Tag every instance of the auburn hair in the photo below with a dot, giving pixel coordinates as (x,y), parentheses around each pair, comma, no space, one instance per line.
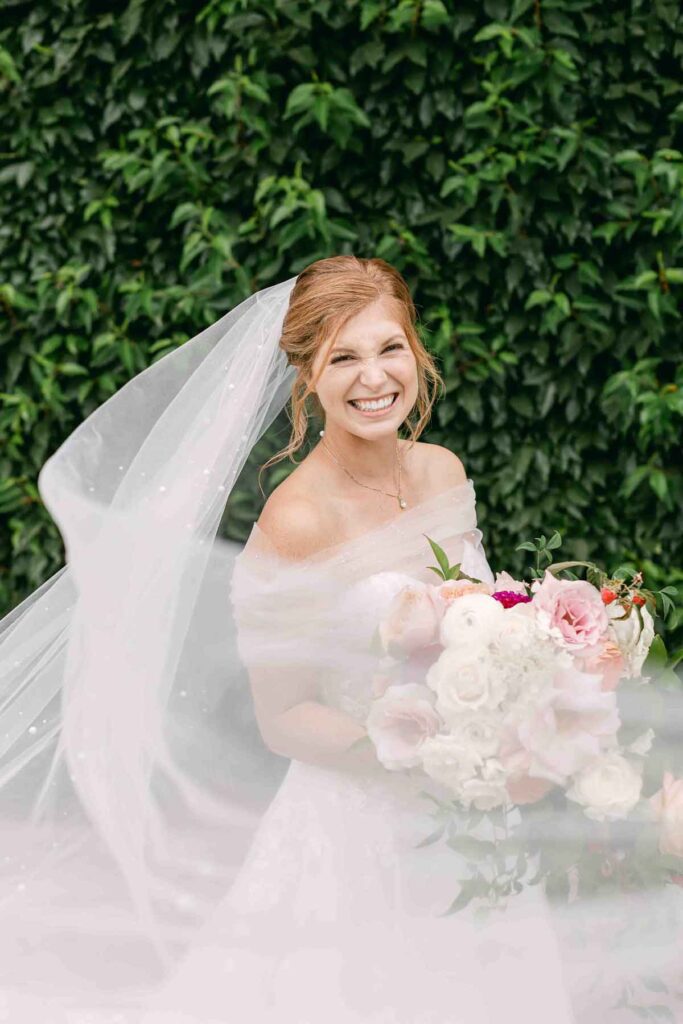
(325,295)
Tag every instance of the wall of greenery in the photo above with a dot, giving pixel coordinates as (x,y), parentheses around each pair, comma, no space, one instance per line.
(515,159)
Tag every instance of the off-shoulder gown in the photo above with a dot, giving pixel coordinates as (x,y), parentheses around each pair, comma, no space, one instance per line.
(336,915)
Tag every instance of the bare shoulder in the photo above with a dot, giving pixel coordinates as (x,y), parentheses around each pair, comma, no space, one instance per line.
(295,524)
(442,467)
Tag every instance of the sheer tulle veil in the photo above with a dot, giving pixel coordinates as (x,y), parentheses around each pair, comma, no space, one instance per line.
(115,766)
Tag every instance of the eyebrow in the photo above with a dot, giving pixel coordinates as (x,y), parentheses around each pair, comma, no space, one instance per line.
(394,337)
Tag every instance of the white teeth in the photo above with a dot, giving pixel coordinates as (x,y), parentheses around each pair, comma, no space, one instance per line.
(373,406)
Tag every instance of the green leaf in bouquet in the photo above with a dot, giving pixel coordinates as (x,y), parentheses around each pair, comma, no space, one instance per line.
(654,983)
(657,657)
(526,546)
(470,847)
(595,577)
(446,571)
(559,566)
(554,542)
(665,596)
(441,557)
(557,886)
(469,890)
(433,837)
(434,799)
(676,657)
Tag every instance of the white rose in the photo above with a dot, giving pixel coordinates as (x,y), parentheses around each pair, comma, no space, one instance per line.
(445,761)
(478,733)
(488,789)
(464,681)
(633,642)
(608,788)
(471,619)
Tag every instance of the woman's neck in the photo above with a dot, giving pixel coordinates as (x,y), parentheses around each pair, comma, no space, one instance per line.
(373,462)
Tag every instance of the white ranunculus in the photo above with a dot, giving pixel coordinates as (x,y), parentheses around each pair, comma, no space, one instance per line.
(465,680)
(608,788)
(519,626)
(633,642)
(473,619)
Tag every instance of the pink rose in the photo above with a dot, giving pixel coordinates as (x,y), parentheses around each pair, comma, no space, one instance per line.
(522,787)
(571,611)
(667,805)
(411,622)
(399,722)
(555,741)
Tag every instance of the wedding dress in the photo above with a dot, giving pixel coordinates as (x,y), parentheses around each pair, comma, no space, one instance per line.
(336,915)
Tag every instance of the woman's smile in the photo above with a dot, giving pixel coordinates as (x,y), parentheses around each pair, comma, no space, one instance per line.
(373,408)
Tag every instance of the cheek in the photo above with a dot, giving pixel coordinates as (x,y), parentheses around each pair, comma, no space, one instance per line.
(330,392)
(409,375)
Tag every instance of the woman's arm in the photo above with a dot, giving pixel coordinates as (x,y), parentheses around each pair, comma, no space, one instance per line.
(293,723)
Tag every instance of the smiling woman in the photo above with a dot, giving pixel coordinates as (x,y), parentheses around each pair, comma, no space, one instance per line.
(369,368)
(350,331)
(367,375)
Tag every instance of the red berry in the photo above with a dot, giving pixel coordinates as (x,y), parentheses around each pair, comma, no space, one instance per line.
(638,599)
(607,595)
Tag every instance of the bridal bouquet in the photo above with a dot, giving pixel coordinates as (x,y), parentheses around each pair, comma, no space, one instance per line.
(520,694)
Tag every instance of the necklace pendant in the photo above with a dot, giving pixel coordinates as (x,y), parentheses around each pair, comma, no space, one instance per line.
(402,502)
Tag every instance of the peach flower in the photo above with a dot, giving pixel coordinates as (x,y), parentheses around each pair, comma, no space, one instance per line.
(447,592)
(526,790)
(411,622)
(667,805)
(607,661)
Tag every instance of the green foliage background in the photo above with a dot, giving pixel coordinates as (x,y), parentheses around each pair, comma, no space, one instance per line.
(515,159)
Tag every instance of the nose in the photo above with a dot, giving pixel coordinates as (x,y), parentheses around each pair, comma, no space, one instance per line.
(372,372)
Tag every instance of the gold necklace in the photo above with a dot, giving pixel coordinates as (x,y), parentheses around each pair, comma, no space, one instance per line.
(401,501)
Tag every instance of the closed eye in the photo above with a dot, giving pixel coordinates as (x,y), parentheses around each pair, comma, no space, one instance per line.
(339,359)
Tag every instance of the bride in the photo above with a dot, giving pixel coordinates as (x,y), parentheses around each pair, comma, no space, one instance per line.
(213,756)
(333,915)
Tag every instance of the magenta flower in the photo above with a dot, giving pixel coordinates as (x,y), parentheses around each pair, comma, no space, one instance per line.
(509,598)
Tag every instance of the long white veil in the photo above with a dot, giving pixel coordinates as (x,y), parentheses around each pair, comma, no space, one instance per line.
(113,671)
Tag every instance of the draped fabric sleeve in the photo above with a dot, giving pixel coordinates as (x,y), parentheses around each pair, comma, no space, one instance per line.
(294,644)
(305,629)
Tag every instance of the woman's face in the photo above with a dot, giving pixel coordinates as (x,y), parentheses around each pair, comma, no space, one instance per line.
(370,360)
